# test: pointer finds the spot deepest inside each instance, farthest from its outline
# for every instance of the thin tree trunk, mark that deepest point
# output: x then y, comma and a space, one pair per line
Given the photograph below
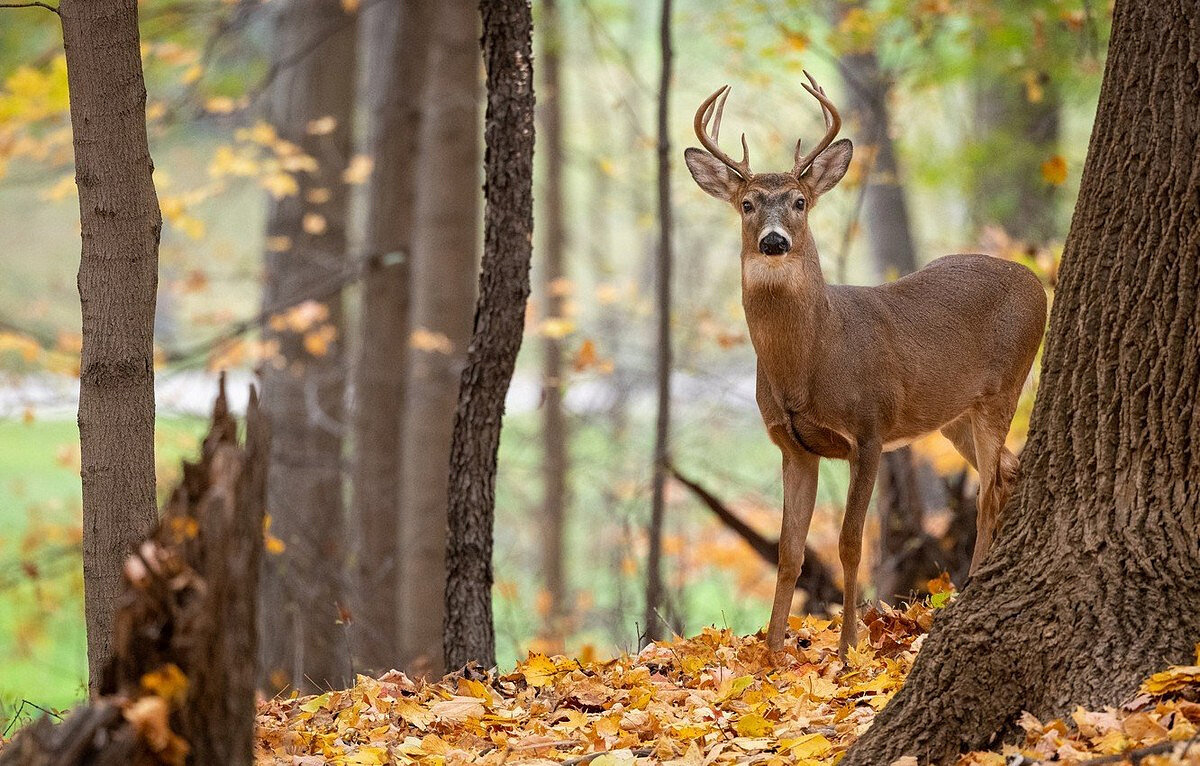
555, 435
654, 620
304, 644
1094, 580
396, 37
118, 278
445, 267
469, 634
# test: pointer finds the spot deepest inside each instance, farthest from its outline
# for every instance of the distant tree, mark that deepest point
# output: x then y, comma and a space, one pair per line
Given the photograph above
396, 39
655, 595
445, 269
1094, 579
555, 436
469, 634
1018, 120
118, 278
311, 102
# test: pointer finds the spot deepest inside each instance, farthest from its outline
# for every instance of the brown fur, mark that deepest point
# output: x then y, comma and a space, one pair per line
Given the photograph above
846, 372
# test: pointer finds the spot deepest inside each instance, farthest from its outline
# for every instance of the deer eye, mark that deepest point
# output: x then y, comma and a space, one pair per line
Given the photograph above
799, 203
747, 207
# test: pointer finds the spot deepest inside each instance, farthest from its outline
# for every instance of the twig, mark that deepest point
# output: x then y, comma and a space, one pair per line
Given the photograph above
34, 4
1136, 756
17, 715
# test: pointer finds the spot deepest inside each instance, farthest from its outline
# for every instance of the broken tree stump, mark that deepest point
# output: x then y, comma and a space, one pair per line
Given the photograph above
180, 687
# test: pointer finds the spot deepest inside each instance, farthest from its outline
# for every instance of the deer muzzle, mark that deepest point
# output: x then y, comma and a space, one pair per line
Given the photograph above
773, 243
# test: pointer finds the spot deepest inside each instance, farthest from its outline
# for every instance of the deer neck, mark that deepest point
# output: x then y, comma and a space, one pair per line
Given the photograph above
787, 309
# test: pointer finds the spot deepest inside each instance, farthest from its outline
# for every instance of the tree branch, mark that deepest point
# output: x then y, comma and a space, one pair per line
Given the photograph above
34, 4
815, 578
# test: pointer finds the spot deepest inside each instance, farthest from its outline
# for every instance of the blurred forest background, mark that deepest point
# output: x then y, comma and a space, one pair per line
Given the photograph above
304, 151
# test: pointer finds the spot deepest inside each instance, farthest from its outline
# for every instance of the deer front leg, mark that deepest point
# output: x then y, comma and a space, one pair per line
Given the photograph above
863, 465
799, 498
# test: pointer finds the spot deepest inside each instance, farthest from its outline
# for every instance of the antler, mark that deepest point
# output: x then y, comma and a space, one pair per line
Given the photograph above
703, 115
833, 123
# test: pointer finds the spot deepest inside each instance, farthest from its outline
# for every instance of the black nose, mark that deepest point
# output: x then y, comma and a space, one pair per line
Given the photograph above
774, 244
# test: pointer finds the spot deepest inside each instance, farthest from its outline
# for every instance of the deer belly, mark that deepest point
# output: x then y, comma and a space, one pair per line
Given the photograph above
819, 439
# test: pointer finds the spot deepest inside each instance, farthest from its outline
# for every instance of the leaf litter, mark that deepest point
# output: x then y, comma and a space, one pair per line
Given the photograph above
715, 698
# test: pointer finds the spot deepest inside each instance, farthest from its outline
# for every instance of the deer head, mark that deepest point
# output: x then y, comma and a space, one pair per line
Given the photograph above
774, 206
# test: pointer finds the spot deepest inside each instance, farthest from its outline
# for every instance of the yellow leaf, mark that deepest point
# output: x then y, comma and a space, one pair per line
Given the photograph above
322, 126
753, 725
423, 339
314, 224
167, 682
557, 328
539, 670
192, 74
807, 746
1054, 170
1173, 679
314, 704
359, 169
220, 105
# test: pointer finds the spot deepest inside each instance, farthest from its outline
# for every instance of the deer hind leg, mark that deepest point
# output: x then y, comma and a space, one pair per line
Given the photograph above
863, 466
962, 436
997, 469
799, 499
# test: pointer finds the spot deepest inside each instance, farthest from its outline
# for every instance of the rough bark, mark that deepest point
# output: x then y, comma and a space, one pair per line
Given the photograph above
396, 39
815, 579
118, 278
304, 644
469, 634
555, 435
186, 614
445, 265
654, 620
1094, 580
908, 557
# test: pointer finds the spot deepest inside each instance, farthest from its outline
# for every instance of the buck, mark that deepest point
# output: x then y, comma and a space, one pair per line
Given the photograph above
847, 372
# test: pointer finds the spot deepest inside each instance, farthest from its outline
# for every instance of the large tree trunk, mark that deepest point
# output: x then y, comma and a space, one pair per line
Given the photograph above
654, 618
445, 265
1094, 580
908, 557
396, 39
118, 277
469, 634
554, 420
303, 643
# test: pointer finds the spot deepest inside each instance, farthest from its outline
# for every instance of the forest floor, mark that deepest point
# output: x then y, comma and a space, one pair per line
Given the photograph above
714, 698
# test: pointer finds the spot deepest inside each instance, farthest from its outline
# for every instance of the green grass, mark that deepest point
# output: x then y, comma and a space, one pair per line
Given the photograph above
42, 646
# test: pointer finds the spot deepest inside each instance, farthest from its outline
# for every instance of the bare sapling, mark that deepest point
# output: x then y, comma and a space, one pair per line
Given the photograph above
847, 372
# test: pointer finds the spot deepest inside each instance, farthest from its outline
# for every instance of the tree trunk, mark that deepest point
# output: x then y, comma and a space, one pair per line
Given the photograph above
445, 265
304, 645
908, 557
554, 421
1094, 580
118, 277
499, 324
396, 39
1019, 127
654, 619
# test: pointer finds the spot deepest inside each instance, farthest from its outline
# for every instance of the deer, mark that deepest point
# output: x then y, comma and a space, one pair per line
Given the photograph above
847, 372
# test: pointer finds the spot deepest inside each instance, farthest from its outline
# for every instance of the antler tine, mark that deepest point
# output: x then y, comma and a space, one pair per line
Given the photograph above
833, 123
712, 109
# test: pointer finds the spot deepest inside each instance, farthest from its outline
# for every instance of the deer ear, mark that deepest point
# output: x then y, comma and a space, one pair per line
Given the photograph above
711, 174
829, 166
